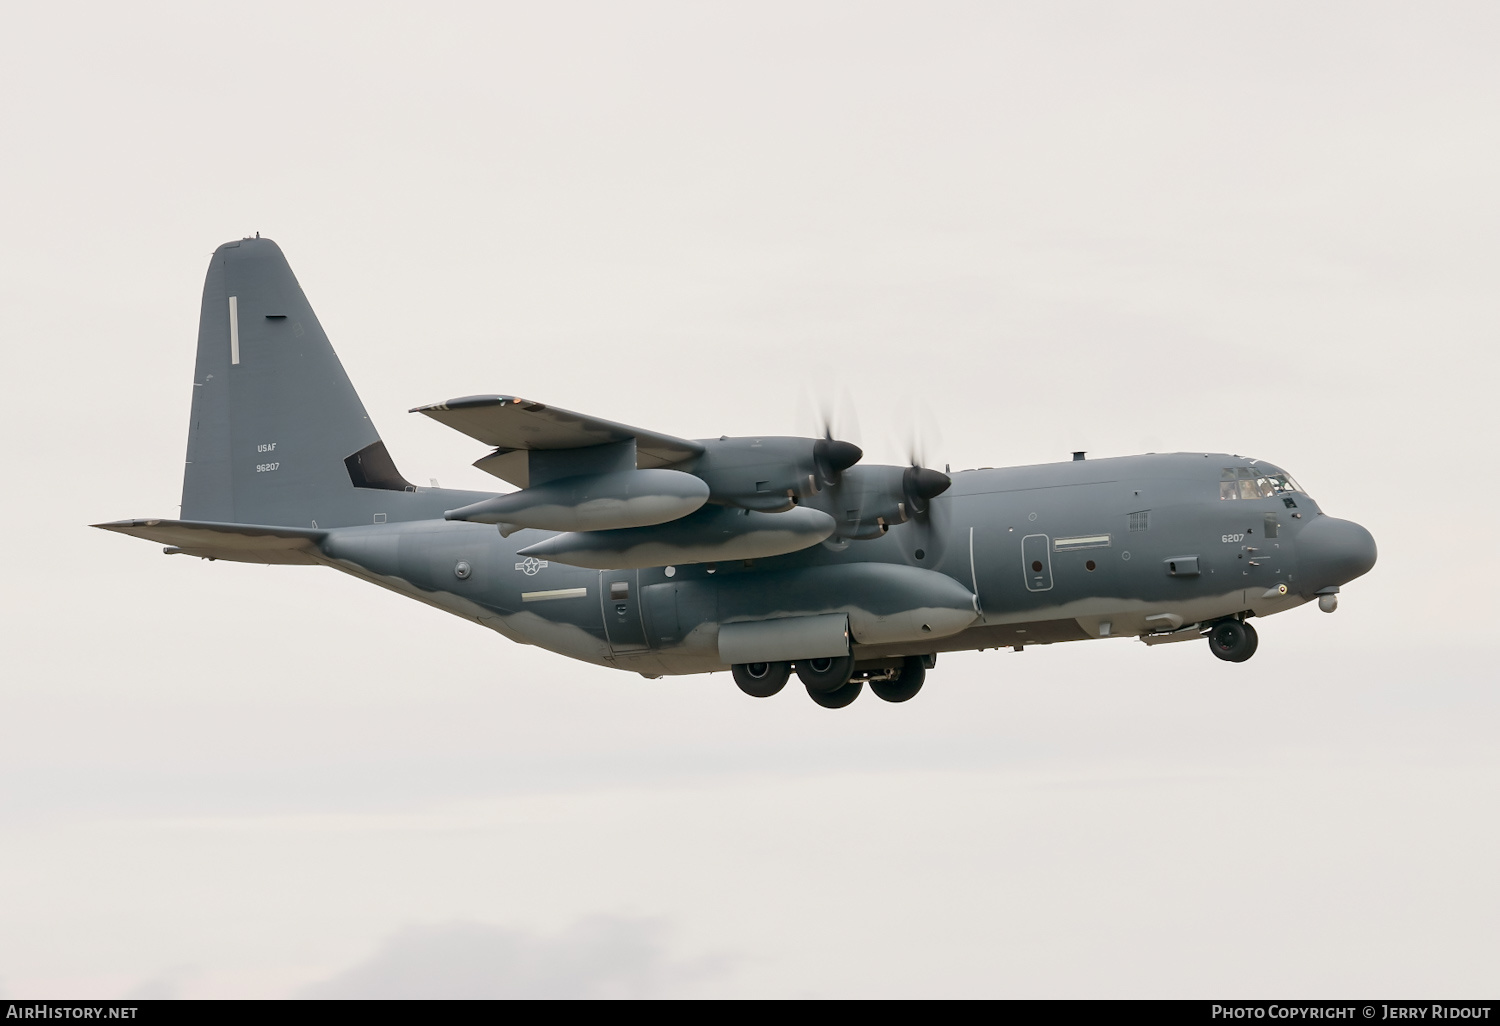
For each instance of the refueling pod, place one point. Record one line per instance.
(711, 535)
(593, 502)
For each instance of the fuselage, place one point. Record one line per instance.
(1086, 549)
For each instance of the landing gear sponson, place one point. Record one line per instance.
(834, 683)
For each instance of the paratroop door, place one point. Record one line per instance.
(1036, 556)
(619, 591)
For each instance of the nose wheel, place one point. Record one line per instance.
(1233, 641)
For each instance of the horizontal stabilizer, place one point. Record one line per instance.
(242, 543)
(516, 425)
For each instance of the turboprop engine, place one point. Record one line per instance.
(770, 474)
(867, 500)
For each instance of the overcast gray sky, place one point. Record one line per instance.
(1270, 229)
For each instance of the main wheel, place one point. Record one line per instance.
(905, 685)
(825, 674)
(1252, 637)
(761, 680)
(839, 697)
(1233, 641)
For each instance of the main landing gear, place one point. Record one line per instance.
(835, 682)
(828, 681)
(761, 680)
(1233, 641)
(904, 685)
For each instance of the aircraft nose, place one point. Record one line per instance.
(1331, 552)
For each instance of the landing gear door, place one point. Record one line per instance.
(620, 593)
(1036, 560)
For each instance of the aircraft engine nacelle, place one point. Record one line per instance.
(869, 500)
(593, 502)
(770, 474)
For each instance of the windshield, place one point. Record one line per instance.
(1259, 482)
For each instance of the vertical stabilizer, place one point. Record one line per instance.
(278, 434)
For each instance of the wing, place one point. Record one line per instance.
(518, 426)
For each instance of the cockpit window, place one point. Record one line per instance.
(1259, 482)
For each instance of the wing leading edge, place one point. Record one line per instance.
(516, 427)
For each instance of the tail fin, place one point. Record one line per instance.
(278, 435)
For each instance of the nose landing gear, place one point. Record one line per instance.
(1233, 641)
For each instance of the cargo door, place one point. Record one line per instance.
(620, 593)
(1036, 559)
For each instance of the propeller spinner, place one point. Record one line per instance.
(922, 485)
(834, 457)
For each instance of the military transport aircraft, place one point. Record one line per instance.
(767, 556)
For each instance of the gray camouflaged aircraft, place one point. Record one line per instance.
(765, 556)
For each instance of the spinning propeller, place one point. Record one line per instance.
(866, 500)
(832, 455)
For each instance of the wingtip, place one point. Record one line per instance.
(464, 402)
